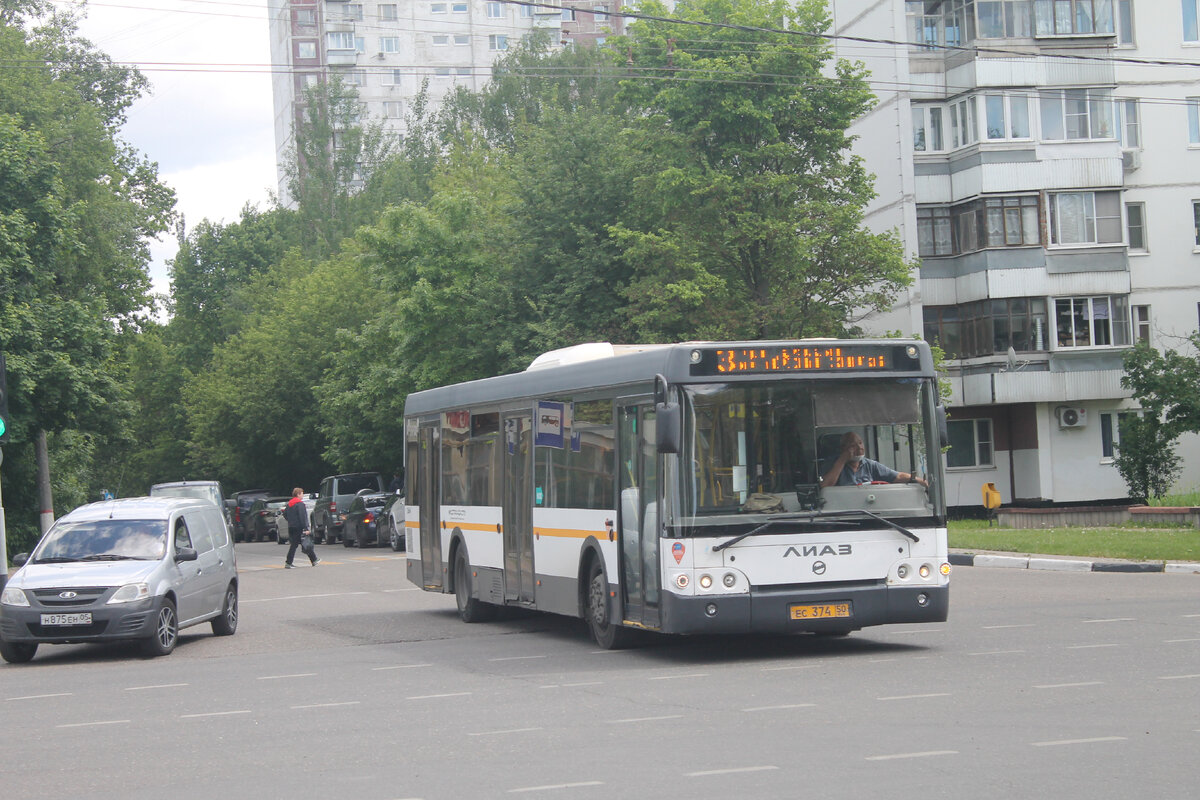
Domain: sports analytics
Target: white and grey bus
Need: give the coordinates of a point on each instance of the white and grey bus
(678, 488)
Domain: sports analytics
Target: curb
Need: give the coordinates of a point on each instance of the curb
(1070, 565)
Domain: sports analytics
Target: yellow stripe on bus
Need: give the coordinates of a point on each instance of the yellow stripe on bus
(568, 533)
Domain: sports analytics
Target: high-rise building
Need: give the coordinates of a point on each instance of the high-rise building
(389, 50)
(1042, 159)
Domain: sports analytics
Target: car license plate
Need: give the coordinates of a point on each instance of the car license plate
(83, 618)
(820, 611)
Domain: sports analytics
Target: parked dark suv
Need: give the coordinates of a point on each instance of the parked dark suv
(243, 527)
(333, 501)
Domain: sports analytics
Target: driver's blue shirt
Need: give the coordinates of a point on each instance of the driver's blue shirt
(866, 472)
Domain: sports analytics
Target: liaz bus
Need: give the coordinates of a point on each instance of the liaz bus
(679, 488)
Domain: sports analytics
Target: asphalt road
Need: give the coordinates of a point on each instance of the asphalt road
(344, 681)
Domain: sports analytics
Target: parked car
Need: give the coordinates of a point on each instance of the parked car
(264, 517)
(241, 511)
(365, 522)
(393, 513)
(204, 490)
(333, 501)
(140, 568)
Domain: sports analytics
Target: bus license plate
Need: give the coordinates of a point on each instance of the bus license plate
(84, 618)
(820, 611)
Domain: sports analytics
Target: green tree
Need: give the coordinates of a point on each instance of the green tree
(757, 225)
(1146, 458)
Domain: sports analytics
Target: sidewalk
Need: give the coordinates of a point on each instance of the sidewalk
(989, 558)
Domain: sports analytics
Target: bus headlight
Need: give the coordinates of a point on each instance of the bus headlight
(706, 581)
(945, 570)
(682, 580)
(925, 570)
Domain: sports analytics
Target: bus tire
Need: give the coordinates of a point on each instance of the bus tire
(470, 609)
(608, 635)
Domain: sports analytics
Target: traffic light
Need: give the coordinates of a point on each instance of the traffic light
(3, 400)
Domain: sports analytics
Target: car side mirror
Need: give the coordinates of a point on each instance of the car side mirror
(20, 559)
(668, 433)
(186, 554)
(943, 428)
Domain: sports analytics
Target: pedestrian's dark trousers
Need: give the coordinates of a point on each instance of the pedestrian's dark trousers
(309, 551)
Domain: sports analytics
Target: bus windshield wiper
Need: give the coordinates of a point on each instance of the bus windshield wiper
(108, 557)
(809, 517)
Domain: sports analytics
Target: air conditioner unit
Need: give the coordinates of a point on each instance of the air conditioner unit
(1131, 159)
(1069, 417)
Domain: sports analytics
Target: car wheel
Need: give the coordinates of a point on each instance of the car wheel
(226, 624)
(346, 540)
(393, 537)
(470, 609)
(17, 652)
(606, 634)
(166, 632)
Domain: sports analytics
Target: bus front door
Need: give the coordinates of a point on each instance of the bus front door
(640, 571)
(518, 508)
(429, 497)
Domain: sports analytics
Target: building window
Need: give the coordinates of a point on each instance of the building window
(389, 44)
(441, 39)
(309, 80)
(441, 72)
(1092, 321)
(306, 50)
(934, 233)
(1007, 116)
(1077, 114)
(970, 443)
(497, 42)
(339, 40)
(306, 16)
(1130, 123)
(1190, 32)
(465, 71)
(1135, 225)
(1196, 220)
(356, 77)
(962, 123)
(600, 13)
(461, 38)
(1141, 324)
(354, 11)
(997, 221)
(1110, 431)
(927, 129)
(988, 327)
(1004, 19)
(1125, 23)
(527, 12)
(1073, 17)
(1193, 117)
(1085, 218)
(459, 8)
(393, 77)
(387, 12)
(568, 15)
(437, 8)
(495, 10)
(393, 109)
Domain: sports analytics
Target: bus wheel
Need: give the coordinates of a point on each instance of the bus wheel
(470, 609)
(606, 634)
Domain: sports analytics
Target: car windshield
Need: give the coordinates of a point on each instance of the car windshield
(353, 484)
(762, 448)
(100, 540)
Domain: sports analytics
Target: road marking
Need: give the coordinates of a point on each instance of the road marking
(996, 653)
(643, 719)
(158, 686)
(1079, 741)
(504, 733)
(1176, 677)
(780, 707)
(42, 696)
(1113, 619)
(214, 714)
(90, 724)
(914, 696)
(1068, 685)
(327, 705)
(1002, 627)
(406, 589)
(1177, 641)
(880, 660)
(302, 596)
(1091, 646)
(789, 666)
(552, 786)
(516, 658)
(731, 771)
(916, 630)
(677, 677)
(437, 696)
(283, 677)
(925, 754)
(570, 685)
(400, 666)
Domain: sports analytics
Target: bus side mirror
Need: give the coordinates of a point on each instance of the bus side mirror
(667, 419)
(943, 429)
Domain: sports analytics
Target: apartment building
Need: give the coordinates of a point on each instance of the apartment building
(1042, 159)
(389, 50)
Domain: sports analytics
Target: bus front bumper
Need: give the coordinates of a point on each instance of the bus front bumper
(771, 610)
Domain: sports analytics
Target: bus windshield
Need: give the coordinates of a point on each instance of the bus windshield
(762, 448)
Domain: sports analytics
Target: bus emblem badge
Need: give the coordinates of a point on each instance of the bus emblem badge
(677, 551)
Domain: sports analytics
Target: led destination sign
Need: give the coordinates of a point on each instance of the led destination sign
(798, 358)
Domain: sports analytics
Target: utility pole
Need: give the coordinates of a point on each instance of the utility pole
(3, 538)
(45, 495)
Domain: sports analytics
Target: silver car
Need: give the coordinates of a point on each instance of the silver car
(139, 568)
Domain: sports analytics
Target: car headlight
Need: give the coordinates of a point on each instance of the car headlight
(130, 592)
(14, 597)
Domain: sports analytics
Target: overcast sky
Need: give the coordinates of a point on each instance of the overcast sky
(207, 119)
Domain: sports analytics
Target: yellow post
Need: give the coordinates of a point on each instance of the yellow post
(991, 500)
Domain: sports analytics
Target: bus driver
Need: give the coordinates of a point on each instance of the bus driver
(853, 468)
